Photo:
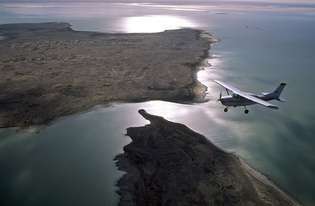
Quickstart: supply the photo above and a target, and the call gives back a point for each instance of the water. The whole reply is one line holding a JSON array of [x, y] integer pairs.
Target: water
[[70, 161]]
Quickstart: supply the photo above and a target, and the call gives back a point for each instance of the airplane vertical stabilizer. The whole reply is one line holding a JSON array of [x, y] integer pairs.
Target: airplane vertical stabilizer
[[277, 92]]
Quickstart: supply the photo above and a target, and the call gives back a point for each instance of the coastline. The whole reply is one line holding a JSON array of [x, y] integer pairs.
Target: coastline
[[50, 70], [265, 180], [194, 68], [167, 163]]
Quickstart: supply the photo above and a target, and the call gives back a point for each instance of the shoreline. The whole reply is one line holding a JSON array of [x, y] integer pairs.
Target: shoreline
[[168, 163], [260, 176], [50, 70]]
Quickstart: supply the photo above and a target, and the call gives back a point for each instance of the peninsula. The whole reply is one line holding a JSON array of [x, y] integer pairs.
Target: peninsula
[[169, 164], [49, 70]]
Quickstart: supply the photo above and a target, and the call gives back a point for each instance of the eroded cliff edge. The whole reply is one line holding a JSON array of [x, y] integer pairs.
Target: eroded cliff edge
[[169, 164], [49, 70]]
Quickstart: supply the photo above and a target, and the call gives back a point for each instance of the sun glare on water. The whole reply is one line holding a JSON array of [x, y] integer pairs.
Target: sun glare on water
[[155, 23]]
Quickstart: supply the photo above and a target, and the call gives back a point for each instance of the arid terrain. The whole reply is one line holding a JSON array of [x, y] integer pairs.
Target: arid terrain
[[49, 70], [169, 164]]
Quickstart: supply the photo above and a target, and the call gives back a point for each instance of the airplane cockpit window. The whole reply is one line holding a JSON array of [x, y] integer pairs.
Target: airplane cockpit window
[[235, 96]]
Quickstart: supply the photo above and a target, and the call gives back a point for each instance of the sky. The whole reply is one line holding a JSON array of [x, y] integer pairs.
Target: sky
[[274, 1]]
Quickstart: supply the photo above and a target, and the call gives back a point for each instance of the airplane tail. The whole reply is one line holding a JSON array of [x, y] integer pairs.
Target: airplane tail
[[277, 92]]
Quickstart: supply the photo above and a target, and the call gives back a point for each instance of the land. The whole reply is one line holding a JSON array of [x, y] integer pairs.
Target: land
[[169, 164], [49, 70]]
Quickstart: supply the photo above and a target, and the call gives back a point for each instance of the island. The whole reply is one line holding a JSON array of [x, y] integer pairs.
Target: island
[[169, 164], [48, 70]]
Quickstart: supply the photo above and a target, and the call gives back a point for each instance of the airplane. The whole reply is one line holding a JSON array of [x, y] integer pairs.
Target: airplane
[[240, 98]]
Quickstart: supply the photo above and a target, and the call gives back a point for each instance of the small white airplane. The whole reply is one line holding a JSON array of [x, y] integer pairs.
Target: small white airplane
[[240, 98]]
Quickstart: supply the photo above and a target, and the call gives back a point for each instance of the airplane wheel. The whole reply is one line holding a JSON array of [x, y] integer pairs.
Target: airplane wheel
[[225, 109], [246, 111]]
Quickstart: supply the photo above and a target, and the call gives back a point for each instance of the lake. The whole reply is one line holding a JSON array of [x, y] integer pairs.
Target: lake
[[70, 161]]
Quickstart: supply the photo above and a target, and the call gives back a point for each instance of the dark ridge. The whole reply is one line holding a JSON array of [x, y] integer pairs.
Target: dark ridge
[[169, 164]]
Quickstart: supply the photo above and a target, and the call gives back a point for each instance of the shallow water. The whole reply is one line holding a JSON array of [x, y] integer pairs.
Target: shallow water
[[70, 161]]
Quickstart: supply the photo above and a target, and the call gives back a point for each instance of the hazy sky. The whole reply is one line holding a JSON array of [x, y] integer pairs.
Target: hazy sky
[[307, 2], [275, 1]]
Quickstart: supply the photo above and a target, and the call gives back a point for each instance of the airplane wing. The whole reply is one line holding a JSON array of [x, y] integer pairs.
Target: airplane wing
[[246, 95]]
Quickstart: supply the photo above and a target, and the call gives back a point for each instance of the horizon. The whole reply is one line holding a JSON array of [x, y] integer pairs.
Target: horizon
[[170, 1]]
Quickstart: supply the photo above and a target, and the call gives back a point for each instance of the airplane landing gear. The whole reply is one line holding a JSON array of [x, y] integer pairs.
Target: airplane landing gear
[[225, 109], [246, 110]]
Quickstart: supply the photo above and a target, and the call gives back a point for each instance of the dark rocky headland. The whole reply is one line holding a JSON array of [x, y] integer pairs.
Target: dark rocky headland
[[49, 70], [169, 164]]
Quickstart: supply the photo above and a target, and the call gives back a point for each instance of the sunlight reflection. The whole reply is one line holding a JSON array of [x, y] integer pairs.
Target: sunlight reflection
[[167, 110], [155, 23], [213, 109], [208, 73]]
